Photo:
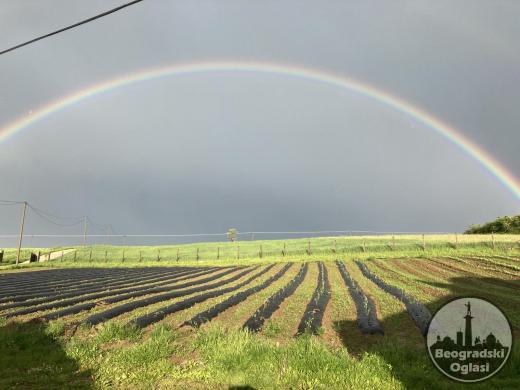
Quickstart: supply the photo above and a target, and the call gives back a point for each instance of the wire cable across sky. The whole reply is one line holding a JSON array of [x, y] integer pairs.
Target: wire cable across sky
[[98, 16]]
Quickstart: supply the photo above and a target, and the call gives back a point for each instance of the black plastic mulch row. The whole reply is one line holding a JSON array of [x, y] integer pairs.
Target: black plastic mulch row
[[153, 290], [419, 313], [73, 283], [32, 291], [212, 312], [61, 277], [118, 310], [264, 312], [89, 305], [129, 284], [313, 316], [365, 306], [34, 299], [83, 298], [139, 291], [38, 290], [158, 315]]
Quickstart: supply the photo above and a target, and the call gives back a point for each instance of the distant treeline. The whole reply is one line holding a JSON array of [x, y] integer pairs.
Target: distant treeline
[[505, 224]]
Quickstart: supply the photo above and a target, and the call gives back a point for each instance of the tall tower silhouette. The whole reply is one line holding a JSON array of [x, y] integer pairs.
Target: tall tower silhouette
[[468, 337], [459, 338]]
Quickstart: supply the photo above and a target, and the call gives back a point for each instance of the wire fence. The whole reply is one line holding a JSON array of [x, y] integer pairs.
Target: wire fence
[[111, 238], [252, 245], [108, 245]]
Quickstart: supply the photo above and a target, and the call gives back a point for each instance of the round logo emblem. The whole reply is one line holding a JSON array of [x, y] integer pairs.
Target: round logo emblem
[[469, 339]]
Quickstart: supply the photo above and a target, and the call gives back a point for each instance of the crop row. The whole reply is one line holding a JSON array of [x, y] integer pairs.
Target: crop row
[[500, 264], [62, 278], [266, 310], [313, 315], [173, 291], [365, 306], [105, 294], [158, 315], [214, 311], [55, 302], [419, 313], [151, 280]]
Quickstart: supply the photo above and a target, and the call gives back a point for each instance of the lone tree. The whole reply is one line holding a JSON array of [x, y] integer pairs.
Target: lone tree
[[232, 234]]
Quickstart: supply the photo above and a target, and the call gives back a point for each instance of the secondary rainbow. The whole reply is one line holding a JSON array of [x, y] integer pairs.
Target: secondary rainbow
[[473, 150]]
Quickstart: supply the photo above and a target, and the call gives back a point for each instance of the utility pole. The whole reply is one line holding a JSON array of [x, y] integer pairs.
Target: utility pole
[[21, 233], [85, 230]]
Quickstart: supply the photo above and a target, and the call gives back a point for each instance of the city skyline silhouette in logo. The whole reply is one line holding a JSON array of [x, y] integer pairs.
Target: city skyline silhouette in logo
[[469, 358]]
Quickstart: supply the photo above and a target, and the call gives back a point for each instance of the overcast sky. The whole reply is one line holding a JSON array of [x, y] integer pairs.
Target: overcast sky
[[202, 153]]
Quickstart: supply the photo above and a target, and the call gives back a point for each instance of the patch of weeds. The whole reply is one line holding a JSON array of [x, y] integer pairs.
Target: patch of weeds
[[143, 363], [85, 351], [55, 328], [239, 358], [272, 329], [113, 331]]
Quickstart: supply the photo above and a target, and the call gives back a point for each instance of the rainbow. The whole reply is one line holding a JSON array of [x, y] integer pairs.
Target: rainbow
[[482, 157]]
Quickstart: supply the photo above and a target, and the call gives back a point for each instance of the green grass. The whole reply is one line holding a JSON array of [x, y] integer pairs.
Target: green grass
[[247, 252], [218, 356], [213, 358]]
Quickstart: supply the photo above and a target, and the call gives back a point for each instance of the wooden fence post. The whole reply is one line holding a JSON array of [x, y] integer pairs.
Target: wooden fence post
[[89, 256], [423, 243], [178, 255], [260, 253], [106, 256], [39, 255], [123, 259], [456, 241], [283, 250], [140, 256], [335, 250], [309, 247], [197, 254], [158, 254], [364, 246], [75, 255], [238, 251], [218, 253], [493, 240], [61, 255], [1, 256]]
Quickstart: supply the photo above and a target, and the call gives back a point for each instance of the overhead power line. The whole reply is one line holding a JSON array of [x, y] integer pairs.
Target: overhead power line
[[51, 215], [98, 226], [98, 16], [56, 219], [44, 216]]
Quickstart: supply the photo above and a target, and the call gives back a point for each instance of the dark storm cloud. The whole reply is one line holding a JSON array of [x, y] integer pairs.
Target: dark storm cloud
[[203, 153]]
